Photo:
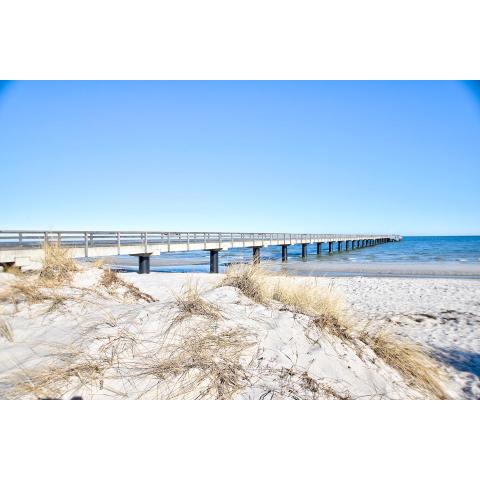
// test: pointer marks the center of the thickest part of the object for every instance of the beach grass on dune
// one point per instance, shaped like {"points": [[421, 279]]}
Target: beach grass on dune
{"points": [[249, 279], [323, 307], [112, 282], [52, 381], [416, 366], [6, 330], [58, 266], [204, 358], [188, 302], [205, 363]]}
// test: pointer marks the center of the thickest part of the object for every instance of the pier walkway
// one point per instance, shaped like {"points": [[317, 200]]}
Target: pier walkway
{"points": [[24, 247]]}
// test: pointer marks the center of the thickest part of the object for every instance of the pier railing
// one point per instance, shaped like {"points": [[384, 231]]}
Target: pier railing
{"points": [[10, 239]]}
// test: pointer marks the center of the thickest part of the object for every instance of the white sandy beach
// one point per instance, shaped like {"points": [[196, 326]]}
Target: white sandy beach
{"points": [[117, 342]]}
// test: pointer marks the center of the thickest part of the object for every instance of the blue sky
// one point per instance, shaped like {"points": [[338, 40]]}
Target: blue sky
{"points": [[245, 156]]}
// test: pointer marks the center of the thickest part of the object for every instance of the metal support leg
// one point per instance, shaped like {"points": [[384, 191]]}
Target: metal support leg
{"points": [[213, 261], [304, 250], [144, 264], [256, 255], [284, 253]]}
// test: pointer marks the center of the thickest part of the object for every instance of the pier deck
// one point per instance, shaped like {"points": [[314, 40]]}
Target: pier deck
{"points": [[23, 247]]}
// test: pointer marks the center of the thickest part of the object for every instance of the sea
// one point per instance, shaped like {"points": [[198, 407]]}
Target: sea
{"points": [[411, 250]]}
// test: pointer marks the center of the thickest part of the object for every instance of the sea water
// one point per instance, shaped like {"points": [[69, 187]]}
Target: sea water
{"points": [[461, 249]]}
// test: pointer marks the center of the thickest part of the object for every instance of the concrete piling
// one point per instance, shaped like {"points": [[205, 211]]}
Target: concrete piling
{"points": [[304, 250], [284, 253], [256, 255], [143, 264], [214, 261]]}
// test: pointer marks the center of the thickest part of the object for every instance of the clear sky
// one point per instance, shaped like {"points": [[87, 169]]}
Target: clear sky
{"points": [[395, 157]]}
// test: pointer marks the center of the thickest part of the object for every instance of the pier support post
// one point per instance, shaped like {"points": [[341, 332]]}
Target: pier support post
{"points": [[284, 253], [214, 261], [256, 255], [319, 248], [346, 245], [339, 246], [330, 247], [304, 250], [143, 264]]}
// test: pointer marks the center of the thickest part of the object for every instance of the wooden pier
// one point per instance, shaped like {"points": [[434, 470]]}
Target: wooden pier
{"points": [[23, 247]]}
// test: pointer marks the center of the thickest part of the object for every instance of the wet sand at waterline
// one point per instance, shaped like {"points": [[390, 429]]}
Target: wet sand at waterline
{"points": [[313, 267], [419, 269]]}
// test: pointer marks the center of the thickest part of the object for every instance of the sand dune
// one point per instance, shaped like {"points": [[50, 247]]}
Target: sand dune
{"points": [[187, 336]]}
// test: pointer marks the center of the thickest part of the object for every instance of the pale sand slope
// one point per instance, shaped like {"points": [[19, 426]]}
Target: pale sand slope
{"points": [[108, 346], [441, 314]]}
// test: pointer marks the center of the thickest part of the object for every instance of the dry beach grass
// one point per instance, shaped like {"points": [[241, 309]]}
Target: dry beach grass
{"points": [[323, 308], [197, 351]]}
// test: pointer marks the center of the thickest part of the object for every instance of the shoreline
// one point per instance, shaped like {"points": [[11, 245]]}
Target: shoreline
{"points": [[325, 268], [386, 269]]}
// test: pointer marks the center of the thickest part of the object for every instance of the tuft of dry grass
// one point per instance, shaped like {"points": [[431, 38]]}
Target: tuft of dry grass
{"points": [[320, 304], [189, 303], [6, 330], [98, 263], [115, 346], [57, 265], [249, 279], [297, 384], [53, 381], [26, 291], [11, 268], [419, 369], [32, 292], [112, 281], [204, 364]]}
